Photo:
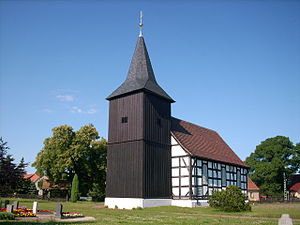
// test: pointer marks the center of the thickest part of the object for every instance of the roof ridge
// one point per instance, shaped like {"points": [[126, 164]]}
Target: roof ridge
{"points": [[204, 142], [196, 125]]}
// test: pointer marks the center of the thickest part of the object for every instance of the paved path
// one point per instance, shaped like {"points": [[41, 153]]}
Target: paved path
{"points": [[39, 218], [232, 216], [285, 220]]}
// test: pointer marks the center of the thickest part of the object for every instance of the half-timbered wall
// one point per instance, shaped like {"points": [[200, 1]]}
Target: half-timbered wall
{"points": [[180, 171], [196, 178]]}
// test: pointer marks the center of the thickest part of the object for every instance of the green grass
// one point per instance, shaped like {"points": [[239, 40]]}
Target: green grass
{"points": [[166, 215]]}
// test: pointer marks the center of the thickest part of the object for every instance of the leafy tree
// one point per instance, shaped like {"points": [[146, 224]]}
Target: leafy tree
{"points": [[230, 200], [70, 152], [270, 160], [75, 189]]}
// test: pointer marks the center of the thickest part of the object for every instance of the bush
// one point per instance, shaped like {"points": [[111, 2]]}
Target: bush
{"points": [[96, 192], [230, 200], [6, 216]]}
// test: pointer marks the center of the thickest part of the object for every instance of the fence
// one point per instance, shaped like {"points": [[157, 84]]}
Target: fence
{"points": [[278, 200]]}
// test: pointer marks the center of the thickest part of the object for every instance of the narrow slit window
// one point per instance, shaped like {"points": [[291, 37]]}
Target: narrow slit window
{"points": [[124, 119]]}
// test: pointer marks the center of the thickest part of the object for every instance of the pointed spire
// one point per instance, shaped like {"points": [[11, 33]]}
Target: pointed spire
{"points": [[140, 75]]}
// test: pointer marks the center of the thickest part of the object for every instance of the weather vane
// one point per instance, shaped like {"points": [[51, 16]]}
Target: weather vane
{"points": [[141, 24]]}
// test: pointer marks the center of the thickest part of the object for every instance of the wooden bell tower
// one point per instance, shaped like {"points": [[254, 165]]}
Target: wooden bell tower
{"points": [[139, 150]]}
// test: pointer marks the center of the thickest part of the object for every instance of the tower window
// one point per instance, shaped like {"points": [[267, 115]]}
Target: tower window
{"points": [[124, 119]]}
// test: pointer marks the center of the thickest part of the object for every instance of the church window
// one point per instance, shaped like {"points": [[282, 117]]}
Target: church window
{"points": [[223, 176], [238, 178]]}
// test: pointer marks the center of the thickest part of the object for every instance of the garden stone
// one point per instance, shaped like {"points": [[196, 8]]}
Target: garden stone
{"points": [[9, 208], [58, 211], [6, 203], [16, 204], [35, 207]]}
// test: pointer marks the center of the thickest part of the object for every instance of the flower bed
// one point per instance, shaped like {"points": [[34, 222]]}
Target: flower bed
{"points": [[24, 212], [21, 212], [45, 211]]}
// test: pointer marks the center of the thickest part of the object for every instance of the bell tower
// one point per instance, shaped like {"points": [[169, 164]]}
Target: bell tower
{"points": [[139, 145]]}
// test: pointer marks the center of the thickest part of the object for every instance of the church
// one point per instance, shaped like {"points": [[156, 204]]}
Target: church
{"points": [[155, 159]]}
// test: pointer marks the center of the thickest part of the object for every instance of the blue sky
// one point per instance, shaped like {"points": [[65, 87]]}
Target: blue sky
{"points": [[232, 66]]}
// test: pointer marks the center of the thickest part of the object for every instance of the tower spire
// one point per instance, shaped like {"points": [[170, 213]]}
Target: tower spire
{"points": [[141, 24]]}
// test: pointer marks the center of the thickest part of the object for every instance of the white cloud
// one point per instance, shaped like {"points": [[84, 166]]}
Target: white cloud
{"points": [[76, 109], [65, 98], [47, 110]]}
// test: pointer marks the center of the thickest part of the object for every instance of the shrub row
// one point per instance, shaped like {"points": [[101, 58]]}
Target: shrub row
{"points": [[6, 216]]}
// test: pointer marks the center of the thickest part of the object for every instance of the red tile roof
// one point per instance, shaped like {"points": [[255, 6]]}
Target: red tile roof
{"points": [[295, 187], [33, 177], [252, 186], [203, 142]]}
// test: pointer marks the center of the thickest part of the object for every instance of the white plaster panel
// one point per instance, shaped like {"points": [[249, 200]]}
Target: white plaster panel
{"points": [[184, 172], [175, 162], [175, 172], [175, 181], [184, 181], [184, 161], [177, 151], [184, 191], [175, 191], [173, 141]]}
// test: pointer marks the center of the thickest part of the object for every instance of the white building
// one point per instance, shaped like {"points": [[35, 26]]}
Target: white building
{"points": [[202, 162]]}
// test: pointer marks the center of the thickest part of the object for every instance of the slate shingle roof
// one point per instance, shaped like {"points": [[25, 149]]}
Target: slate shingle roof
{"points": [[203, 142], [140, 75]]}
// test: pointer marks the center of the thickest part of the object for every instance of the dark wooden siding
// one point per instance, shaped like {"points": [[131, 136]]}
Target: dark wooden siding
{"points": [[157, 174], [139, 151], [130, 106], [125, 170], [157, 109]]}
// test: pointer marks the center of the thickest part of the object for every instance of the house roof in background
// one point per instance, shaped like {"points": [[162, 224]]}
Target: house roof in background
{"points": [[295, 187], [203, 142], [252, 186], [33, 177]]}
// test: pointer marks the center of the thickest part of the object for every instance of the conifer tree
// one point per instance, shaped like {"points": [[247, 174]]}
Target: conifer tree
{"points": [[75, 189]]}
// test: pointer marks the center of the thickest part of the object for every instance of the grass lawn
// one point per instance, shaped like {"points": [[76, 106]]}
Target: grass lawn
{"points": [[167, 215]]}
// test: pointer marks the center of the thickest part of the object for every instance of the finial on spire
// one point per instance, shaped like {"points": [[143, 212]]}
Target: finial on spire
{"points": [[141, 24]]}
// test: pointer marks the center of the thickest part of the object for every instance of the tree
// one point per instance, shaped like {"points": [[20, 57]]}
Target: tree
{"points": [[70, 152], [11, 175], [231, 200], [270, 160], [75, 189]]}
